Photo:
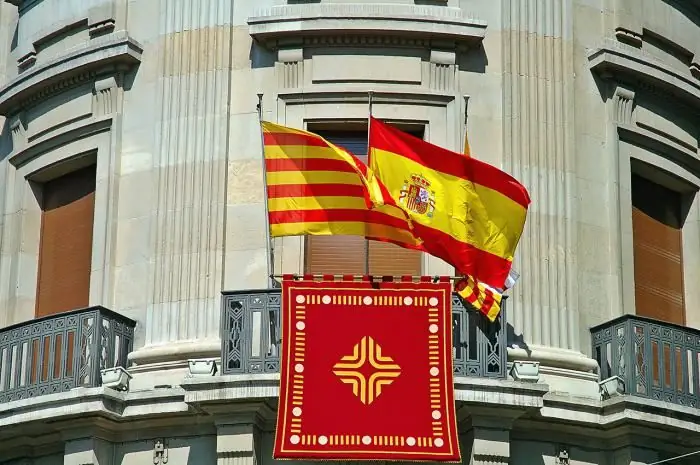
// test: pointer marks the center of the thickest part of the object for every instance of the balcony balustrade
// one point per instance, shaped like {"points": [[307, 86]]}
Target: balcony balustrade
{"points": [[60, 352], [654, 359], [251, 336]]}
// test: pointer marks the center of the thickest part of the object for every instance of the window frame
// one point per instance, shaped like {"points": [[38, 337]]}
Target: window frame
{"points": [[334, 132]]}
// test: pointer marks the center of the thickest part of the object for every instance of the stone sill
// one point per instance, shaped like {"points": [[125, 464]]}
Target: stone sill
{"points": [[435, 23], [114, 49], [614, 58]]}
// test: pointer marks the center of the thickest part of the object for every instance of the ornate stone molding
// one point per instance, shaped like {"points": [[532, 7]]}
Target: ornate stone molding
{"points": [[101, 54], [634, 67], [397, 95], [377, 24], [623, 102]]}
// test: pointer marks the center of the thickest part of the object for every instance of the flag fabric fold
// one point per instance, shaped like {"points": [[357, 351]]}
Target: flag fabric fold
{"points": [[483, 298], [317, 188], [465, 211]]}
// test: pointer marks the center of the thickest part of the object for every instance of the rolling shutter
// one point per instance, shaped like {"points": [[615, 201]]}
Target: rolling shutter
{"points": [[658, 258], [65, 251], [348, 254]]}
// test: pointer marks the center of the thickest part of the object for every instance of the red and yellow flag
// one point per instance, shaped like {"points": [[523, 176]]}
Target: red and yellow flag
{"points": [[480, 296], [317, 188], [465, 211]]}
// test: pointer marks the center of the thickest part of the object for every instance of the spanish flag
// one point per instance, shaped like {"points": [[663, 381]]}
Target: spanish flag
{"points": [[481, 297], [317, 188], [465, 211]]}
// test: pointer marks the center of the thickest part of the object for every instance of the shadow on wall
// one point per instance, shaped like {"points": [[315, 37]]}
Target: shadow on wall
{"points": [[516, 340], [261, 57], [689, 11], [474, 61]]}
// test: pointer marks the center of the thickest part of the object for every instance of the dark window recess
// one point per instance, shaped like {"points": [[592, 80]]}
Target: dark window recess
{"points": [[65, 251], [658, 257], [348, 254]]}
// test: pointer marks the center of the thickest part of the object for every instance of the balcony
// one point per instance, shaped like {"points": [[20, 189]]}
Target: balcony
{"points": [[655, 360], [251, 336], [60, 352]]}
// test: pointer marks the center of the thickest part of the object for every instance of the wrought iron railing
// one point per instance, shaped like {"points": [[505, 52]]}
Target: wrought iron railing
{"points": [[654, 359], [60, 352], [251, 336]]}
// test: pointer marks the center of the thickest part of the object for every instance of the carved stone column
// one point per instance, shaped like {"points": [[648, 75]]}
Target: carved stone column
{"points": [[538, 136], [190, 162]]}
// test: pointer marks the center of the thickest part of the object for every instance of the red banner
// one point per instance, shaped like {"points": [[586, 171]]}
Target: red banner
{"points": [[367, 372]]}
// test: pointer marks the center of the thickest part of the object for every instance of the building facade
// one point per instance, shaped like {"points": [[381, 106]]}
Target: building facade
{"points": [[132, 224]]}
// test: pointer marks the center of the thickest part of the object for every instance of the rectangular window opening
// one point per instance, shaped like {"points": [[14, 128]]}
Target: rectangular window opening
{"points": [[658, 258], [65, 250], [354, 254]]}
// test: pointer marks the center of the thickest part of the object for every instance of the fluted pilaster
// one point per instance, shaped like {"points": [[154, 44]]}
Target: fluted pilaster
{"points": [[538, 83], [190, 159]]}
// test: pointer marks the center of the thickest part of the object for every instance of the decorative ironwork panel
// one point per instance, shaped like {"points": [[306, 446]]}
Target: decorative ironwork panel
{"points": [[60, 352], [655, 359], [251, 336]]}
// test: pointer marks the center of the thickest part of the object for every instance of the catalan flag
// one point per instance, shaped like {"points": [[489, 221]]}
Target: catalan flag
{"points": [[317, 188], [466, 212], [480, 296]]}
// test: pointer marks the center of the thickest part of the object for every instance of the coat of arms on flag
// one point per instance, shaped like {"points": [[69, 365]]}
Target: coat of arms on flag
{"points": [[417, 196], [367, 372]]}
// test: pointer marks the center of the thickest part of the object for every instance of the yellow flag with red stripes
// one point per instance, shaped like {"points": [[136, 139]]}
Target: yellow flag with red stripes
{"points": [[317, 188]]}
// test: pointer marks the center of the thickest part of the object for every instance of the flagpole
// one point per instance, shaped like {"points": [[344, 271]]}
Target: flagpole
{"points": [[268, 236], [467, 149], [369, 128]]}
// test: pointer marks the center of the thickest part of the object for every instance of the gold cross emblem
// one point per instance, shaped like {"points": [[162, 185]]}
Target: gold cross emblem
{"points": [[382, 370]]}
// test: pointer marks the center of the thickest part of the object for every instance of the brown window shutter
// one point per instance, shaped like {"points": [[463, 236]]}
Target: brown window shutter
{"points": [[658, 263], [347, 254], [65, 251]]}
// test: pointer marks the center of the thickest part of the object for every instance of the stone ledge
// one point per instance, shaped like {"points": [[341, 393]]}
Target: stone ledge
{"points": [[397, 21], [111, 50], [396, 95], [613, 59], [624, 412], [499, 393], [102, 402], [208, 393]]}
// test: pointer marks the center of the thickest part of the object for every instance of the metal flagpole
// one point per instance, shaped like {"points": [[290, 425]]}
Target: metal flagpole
{"points": [[369, 126], [467, 149], [268, 236]]}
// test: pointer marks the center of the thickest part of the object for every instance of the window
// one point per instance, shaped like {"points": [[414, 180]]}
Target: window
{"points": [[658, 258], [65, 250], [354, 254]]}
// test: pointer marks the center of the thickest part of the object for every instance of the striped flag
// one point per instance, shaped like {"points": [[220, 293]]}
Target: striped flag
{"points": [[474, 213], [317, 188], [466, 212], [482, 297]]}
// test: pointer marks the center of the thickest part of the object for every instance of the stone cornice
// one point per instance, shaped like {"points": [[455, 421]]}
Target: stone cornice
{"points": [[334, 24], [110, 51], [628, 64]]}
